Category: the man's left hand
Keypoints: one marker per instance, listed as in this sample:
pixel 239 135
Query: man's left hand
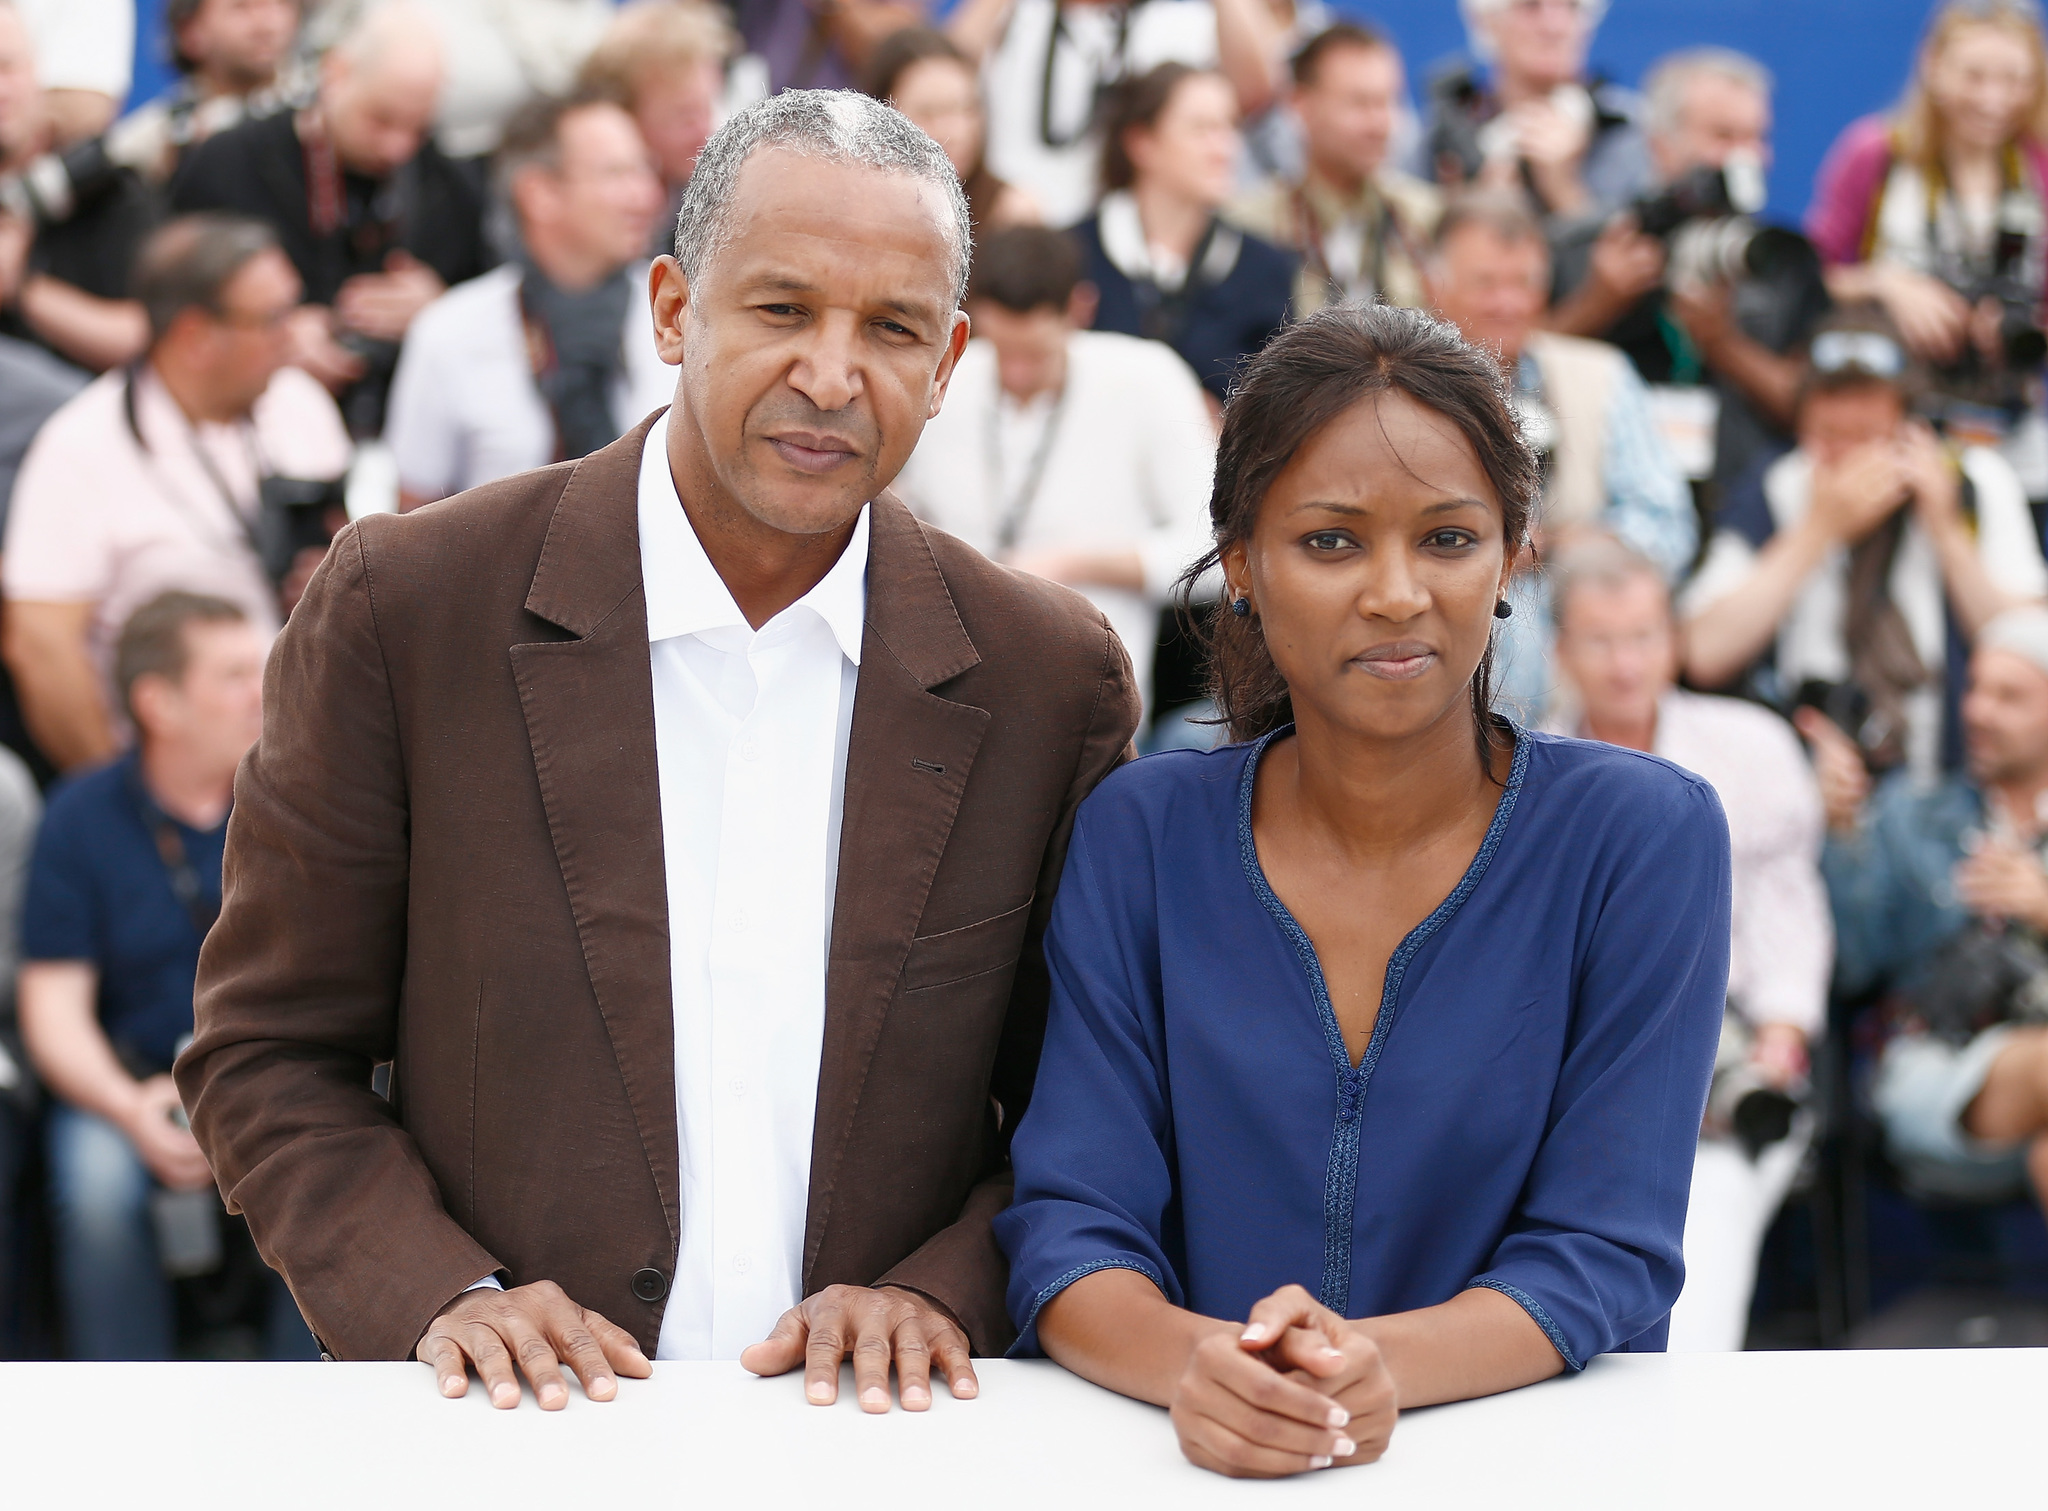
pixel 382 305
pixel 2003 881
pixel 878 1327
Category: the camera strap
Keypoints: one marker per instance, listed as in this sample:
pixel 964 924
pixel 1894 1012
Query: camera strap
pixel 201 906
pixel 1308 235
pixel 245 526
pixel 1119 66
pixel 1017 510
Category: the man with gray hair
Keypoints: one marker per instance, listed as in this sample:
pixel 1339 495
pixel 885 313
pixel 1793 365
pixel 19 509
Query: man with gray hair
pixel 680 823
pixel 1719 352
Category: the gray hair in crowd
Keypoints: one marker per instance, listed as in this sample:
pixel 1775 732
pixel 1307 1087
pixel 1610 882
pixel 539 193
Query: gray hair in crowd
pixel 1480 39
pixel 838 125
pixel 1598 561
pixel 2023 632
pixel 188 263
pixel 1665 86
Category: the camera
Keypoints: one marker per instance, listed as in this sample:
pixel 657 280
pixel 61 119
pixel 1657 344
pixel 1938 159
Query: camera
pixel 1741 1104
pixel 1704 219
pixel 53 188
pixel 2020 337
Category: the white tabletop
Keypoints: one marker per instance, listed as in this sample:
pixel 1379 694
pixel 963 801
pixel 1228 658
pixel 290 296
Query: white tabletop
pixel 1732 1432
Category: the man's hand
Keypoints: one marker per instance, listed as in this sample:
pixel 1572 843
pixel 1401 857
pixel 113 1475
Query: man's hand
pixel 309 331
pixel 16 237
pixel 1838 769
pixel 382 305
pixel 2003 881
pixel 1706 311
pixel 541 1328
pixel 1931 475
pixel 1934 318
pixel 1779 1055
pixel 156 1127
pixel 1627 263
pixel 1299 1388
pixel 876 1327
pixel 1854 496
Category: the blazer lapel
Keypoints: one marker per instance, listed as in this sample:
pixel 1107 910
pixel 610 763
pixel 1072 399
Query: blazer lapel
pixel 589 705
pixel 906 768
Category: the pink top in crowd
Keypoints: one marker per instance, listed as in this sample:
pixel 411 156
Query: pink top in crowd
pixel 1846 192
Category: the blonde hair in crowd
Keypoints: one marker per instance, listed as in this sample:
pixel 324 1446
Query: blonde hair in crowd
pixel 1918 128
pixel 650 36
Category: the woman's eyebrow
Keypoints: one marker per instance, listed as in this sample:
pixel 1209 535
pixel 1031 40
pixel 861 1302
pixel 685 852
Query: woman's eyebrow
pixel 1441 506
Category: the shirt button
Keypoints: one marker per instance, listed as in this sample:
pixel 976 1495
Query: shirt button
pixel 738 1087
pixel 740 922
pixel 742 1263
pixel 650 1284
pixel 750 752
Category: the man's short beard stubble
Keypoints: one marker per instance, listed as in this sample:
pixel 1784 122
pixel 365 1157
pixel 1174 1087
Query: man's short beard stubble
pixel 786 409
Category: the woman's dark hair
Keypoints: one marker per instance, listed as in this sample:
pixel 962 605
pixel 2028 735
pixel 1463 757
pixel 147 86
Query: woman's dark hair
pixel 887 64
pixel 1136 105
pixel 1308 374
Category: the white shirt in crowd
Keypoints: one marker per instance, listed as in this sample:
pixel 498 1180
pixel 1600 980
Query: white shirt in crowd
pixel 464 406
pixel 1128 466
pixel 750 730
pixel 1811 644
pixel 98 519
pixel 1098 44
pixel 83 44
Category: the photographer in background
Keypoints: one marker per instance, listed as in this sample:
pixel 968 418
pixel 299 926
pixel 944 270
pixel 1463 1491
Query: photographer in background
pixel 1840 574
pixel 1941 904
pixel 1532 121
pixel 1940 214
pixel 1617 648
pixel 155 477
pixel 1710 309
pixel 377 222
pixel 124 884
pixel 232 58
pixel 70 224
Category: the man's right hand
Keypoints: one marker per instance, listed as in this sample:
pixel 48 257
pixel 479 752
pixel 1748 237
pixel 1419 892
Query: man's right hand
pixel 1855 495
pixel 1838 769
pixel 542 1329
pixel 155 1127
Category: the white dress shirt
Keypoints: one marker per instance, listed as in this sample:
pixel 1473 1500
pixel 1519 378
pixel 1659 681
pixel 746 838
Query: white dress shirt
pixel 750 732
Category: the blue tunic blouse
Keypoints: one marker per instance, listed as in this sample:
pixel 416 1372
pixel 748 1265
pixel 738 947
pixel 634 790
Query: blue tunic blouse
pixel 1525 1114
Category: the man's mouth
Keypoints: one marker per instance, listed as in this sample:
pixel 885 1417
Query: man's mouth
pixel 807 452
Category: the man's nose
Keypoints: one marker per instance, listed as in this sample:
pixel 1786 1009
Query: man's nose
pixel 826 373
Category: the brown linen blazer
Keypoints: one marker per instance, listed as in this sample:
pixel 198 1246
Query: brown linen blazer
pixel 446 853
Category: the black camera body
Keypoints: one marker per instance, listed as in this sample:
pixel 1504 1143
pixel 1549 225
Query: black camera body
pixel 54 187
pixel 1704 218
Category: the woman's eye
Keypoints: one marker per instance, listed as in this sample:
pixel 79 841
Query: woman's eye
pixel 1447 540
pixel 1327 540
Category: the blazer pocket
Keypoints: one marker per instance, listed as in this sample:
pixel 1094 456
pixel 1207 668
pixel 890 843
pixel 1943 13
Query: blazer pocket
pixel 973 950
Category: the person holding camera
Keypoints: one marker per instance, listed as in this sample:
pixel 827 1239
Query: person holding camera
pixel 155 476
pixel 232 58
pixel 1841 573
pixel 1940 899
pixel 1709 308
pixel 124 883
pixel 1617 648
pixel 376 220
pixel 1531 120
pixel 71 222
pixel 1939 212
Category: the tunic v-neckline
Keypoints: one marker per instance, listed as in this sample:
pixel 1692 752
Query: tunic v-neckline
pixel 1340 1184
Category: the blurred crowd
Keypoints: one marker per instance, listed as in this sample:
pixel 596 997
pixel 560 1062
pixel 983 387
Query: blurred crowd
pixel 366 254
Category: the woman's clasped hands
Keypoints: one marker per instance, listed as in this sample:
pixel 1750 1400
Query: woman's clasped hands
pixel 1298 1388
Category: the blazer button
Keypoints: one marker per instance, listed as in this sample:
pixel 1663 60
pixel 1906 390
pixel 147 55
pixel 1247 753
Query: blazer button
pixel 650 1284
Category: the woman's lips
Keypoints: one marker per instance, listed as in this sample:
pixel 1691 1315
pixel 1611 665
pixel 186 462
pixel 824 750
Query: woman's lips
pixel 811 453
pixel 1399 662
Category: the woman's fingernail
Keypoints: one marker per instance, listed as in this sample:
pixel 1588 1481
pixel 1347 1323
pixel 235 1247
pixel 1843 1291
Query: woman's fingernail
pixel 1343 1448
pixel 1339 1417
pixel 1320 1461
pixel 1256 1333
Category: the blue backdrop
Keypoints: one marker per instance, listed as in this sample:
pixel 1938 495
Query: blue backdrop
pixel 1834 59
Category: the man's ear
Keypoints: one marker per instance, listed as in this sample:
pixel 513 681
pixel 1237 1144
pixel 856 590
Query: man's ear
pixel 956 343
pixel 1082 304
pixel 668 294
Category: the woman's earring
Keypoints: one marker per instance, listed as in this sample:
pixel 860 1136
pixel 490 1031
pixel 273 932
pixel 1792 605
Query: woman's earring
pixel 1503 610
pixel 1240 606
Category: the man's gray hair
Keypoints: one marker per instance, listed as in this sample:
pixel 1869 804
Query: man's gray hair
pixel 1665 86
pixel 1480 40
pixel 1597 561
pixel 838 125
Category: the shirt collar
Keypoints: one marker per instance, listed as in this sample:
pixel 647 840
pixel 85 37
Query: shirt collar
pixel 685 594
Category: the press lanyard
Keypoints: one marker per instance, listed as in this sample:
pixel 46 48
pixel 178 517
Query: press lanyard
pixel 1119 62
pixel 200 905
pixel 245 428
pixel 1311 236
pixel 1010 522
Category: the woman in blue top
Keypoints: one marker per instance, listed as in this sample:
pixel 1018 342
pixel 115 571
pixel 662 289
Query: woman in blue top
pixel 1389 1012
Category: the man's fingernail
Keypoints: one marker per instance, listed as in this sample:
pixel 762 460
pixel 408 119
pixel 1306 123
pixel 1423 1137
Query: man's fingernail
pixel 1331 1353
pixel 1256 1333
pixel 916 1397
pixel 874 1397
pixel 504 1392
pixel 602 1388
pixel 965 1387
pixel 549 1394
pixel 1339 1417
pixel 820 1391
pixel 1343 1448
pixel 1320 1461
pixel 451 1385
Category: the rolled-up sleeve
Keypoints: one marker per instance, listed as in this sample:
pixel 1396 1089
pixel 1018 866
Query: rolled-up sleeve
pixel 1093 1158
pixel 1594 1253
